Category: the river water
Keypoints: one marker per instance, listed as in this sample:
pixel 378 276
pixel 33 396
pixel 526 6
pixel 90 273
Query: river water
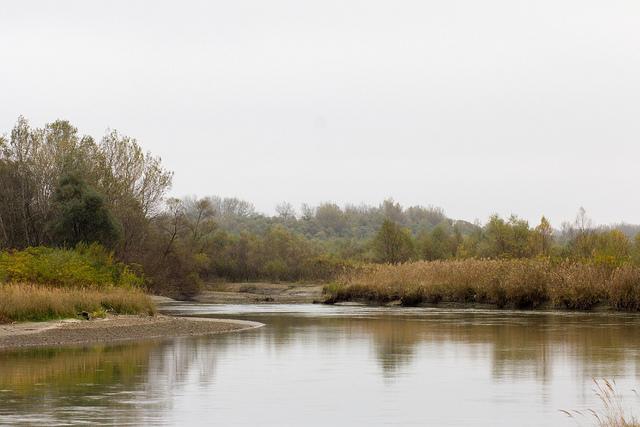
pixel 324 365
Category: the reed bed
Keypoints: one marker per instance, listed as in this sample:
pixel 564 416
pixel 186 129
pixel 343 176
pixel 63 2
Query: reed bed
pixel 523 284
pixel 29 302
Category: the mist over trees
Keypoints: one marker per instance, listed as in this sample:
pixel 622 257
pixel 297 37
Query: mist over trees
pixel 61 189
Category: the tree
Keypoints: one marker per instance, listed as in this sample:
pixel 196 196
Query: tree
pixel 542 238
pixel 80 215
pixel 582 221
pixel 612 248
pixel 330 218
pixel 392 210
pixel 199 215
pixel 439 244
pixel 393 244
pixel 635 252
pixel 581 237
pixel 125 172
pixel 286 211
pixel 505 239
pixel 134 184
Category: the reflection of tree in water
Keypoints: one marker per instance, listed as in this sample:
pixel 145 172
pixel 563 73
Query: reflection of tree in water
pixel 395 342
pixel 50 383
pixel 177 362
pixel 136 383
pixel 125 384
pixel 519 345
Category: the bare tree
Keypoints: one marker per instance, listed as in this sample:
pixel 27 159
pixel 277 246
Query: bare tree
pixel 286 211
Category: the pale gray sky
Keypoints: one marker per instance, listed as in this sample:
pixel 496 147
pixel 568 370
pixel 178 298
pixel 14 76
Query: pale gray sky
pixel 525 107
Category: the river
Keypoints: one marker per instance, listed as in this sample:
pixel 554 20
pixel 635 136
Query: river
pixel 331 365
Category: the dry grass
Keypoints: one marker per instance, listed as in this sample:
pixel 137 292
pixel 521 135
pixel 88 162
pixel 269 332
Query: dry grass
pixel 28 302
pixel 503 283
pixel 612 413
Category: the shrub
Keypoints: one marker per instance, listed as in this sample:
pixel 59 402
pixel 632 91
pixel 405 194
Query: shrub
pixel 84 266
pixel 325 267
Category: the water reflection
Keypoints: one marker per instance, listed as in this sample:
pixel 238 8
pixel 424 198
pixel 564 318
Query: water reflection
pixel 359 365
pixel 43 385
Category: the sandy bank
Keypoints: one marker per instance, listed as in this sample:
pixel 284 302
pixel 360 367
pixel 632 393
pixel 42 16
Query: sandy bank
pixel 112 329
pixel 260 292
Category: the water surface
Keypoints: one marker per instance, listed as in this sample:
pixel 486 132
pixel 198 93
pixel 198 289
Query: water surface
pixel 323 365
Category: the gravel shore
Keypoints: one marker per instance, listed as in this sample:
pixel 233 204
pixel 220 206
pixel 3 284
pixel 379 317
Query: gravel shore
pixel 112 329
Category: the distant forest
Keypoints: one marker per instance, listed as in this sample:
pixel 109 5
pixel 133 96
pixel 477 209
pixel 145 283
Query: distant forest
pixel 63 189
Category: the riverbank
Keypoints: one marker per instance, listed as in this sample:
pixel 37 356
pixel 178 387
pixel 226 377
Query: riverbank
pixel 113 329
pixel 260 292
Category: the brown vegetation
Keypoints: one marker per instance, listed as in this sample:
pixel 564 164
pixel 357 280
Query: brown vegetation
pixel 523 284
pixel 612 413
pixel 24 302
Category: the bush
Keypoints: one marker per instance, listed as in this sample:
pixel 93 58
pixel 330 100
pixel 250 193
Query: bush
pixel 85 266
pixel 325 267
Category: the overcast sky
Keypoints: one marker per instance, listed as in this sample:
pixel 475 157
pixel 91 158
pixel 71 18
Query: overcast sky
pixel 526 107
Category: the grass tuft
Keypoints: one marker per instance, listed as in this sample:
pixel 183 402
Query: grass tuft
pixel 612 412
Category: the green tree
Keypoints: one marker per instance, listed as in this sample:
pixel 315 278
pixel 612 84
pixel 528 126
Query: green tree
pixel 542 238
pixel 330 218
pixel 635 251
pixel 393 244
pixel 506 239
pixel 439 244
pixel 80 215
pixel 612 248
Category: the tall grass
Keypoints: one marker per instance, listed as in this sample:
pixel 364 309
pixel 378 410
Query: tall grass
pixel 28 302
pixel 612 412
pixel 503 283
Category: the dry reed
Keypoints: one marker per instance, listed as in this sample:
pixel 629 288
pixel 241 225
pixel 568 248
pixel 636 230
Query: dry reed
pixel 28 302
pixel 522 284
pixel 612 413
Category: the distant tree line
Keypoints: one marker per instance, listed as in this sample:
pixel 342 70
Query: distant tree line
pixel 511 238
pixel 63 189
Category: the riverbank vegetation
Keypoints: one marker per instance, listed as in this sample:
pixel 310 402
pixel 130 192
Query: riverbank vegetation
pixel 68 196
pixel 89 266
pixel 52 283
pixel 28 302
pixel 522 284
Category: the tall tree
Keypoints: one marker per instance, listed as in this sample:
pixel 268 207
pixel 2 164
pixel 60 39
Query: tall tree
pixel 80 215
pixel 542 238
pixel 393 244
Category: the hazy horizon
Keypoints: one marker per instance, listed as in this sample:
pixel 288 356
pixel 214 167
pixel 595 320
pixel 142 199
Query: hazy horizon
pixel 500 106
